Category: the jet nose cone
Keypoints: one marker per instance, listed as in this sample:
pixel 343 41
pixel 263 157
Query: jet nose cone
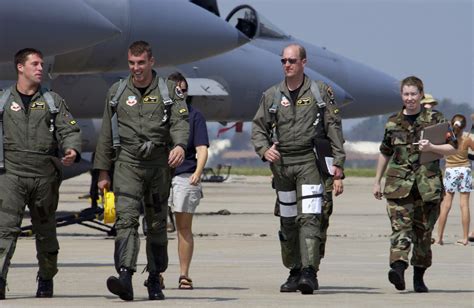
pixel 193 32
pixel 375 93
pixel 52 26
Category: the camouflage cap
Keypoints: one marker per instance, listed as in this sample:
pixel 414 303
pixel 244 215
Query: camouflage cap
pixel 429 99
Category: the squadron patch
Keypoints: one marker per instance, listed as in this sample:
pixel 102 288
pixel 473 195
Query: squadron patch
pixel 15 107
pixel 131 100
pixel 330 93
pixel 37 106
pixel 284 101
pixel 303 101
pixel 150 99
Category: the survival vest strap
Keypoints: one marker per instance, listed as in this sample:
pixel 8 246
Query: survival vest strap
pixel 115 100
pixel 3 101
pixel 114 120
pixel 274 109
pixel 52 109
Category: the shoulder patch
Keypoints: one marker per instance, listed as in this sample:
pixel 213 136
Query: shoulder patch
pixel 73 122
pixel 182 110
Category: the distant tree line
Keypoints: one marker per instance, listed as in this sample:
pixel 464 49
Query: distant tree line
pixel 372 129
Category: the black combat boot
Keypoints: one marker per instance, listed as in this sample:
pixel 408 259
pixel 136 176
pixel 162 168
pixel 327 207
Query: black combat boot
pixel 418 283
pixel 3 285
pixel 122 286
pixel 154 287
pixel 397 274
pixel 291 284
pixel 45 288
pixel 308 281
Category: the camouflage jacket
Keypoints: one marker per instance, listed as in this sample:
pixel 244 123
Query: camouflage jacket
pixel 295 124
pixel 404 169
pixel 31 145
pixel 141 119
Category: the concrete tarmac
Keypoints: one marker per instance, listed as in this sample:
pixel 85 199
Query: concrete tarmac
pixel 237 260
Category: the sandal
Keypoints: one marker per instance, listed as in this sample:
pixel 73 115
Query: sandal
pixel 185 283
pixel 461 243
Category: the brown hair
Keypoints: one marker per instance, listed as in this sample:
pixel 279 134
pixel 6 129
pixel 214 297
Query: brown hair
pixel 178 78
pixel 301 50
pixel 137 48
pixel 458 123
pixel 22 54
pixel 412 81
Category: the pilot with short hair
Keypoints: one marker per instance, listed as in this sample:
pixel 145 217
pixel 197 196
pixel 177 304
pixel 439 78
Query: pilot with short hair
pixel 291 114
pixel 36 123
pixel 145 130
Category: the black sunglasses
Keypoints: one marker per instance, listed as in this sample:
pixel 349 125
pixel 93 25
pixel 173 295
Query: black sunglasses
pixel 290 60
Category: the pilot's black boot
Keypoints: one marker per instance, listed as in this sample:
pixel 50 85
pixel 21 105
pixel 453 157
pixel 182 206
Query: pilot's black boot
pixel 418 283
pixel 291 284
pixel 121 286
pixel 308 281
pixel 397 274
pixel 3 285
pixel 154 287
pixel 45 288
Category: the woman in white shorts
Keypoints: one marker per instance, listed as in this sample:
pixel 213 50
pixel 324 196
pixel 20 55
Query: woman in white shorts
pixel 457 178
pixel 186 191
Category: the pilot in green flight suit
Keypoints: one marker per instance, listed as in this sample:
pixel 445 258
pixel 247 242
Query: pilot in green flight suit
pixel 289 117
pixel 149 123
pixel 35 123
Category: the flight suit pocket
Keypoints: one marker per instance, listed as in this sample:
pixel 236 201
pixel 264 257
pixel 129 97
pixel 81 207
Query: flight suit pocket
pixel 396 185
pixel 399 139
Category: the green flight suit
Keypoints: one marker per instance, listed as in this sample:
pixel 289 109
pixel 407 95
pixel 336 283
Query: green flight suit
pixel 138 175
pixel 32 175
pixel 413 190
pixel 298 183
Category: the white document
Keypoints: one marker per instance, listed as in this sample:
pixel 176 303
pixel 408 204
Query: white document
pixel 329 161
pixel 311 205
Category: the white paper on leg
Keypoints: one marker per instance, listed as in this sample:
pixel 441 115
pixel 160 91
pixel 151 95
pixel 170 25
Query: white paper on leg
pixel 287 197
pixel 311 205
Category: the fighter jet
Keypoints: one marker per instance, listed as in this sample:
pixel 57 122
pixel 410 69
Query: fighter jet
pixel 228 63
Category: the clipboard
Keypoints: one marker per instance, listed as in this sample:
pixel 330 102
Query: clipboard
pixel 436 134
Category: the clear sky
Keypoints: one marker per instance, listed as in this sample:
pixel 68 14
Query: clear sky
pixel 432 39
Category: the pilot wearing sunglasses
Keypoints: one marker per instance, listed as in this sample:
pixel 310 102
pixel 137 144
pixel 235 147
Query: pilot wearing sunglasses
pixel 291 116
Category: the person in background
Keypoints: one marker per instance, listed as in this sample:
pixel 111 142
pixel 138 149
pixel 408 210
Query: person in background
pixel 457 178
pixel 186 190
pixel 428 101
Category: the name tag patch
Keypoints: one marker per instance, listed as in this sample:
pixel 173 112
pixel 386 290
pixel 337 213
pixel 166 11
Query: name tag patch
pixel 38 106
pixel 150 99
pixel 303 101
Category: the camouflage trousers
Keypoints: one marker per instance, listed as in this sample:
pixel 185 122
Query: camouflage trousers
pixel 300 197
pixel 134 186
pixel 41 196
pixel 412 222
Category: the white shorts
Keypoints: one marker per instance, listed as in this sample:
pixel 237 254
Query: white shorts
pixel 184 197
pixel 457 179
